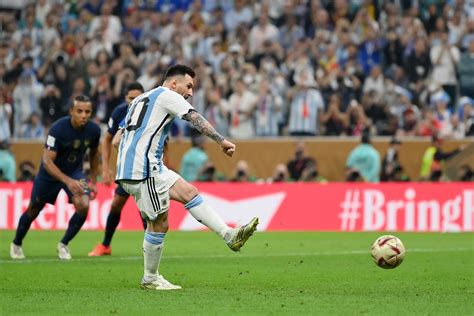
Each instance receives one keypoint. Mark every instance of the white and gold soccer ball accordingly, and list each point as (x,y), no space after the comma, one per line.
(388,252)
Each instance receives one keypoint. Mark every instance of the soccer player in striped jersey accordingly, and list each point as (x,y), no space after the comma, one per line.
(141,172)
(121,196)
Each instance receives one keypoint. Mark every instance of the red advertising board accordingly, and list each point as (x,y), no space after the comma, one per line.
(421,207)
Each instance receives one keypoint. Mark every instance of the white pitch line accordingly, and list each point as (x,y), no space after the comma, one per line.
(243,256)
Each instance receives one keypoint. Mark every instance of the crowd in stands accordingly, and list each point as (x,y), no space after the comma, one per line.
(264,68)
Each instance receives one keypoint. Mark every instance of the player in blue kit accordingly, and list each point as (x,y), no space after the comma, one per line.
(121,197)
(62,168)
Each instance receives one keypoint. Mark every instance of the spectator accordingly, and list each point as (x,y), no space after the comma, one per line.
(357,121)
(7,164)
(268,114)
(26,98)
(391,164)
(299,163)
(466,114)
(241,107)
(418,66)
(466,173)
(108,24)
(311,173)
(210,174)
(215,111)
(375,82)
(335,121)
(6,112)
(194,159)
(27,171)
(290,32)
(50,104)
(260,33)
(364,160)
(280,174)
(430,125)
(32,128)
(344,45)
(241,173)
(466,71)
(240,13)
(444,58)
(306,106)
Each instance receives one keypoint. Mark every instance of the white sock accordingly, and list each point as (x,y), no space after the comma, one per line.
(152,248)
(206,215)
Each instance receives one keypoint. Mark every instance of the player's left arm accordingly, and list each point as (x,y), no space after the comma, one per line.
(117,138)
(203,126)
(94,161)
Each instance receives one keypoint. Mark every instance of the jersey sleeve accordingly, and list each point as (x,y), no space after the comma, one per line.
(121,124)
(114,123)
(53,140)
(175,104)
(96,136)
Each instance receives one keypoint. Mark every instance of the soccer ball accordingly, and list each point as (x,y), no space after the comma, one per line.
(388,252)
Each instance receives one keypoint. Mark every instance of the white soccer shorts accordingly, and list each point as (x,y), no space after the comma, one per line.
(152,194)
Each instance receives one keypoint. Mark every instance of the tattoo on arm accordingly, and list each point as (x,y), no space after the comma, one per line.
(202,125)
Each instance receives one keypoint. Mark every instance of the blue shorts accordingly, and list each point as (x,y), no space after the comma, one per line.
(47,190)
(120,191)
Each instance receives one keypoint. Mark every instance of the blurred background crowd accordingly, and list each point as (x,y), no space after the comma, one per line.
(264,68)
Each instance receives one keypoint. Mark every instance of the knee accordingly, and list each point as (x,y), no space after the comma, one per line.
(158,226)
(82,208)
(116,206)
(33,211)
(191,192)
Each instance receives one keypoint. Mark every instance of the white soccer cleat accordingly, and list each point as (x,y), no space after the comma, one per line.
(63,252)
(240,235)
(16,252)
(159,284)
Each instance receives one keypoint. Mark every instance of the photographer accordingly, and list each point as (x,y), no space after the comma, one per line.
(241,173)
(54,70)
(311,173)
(50,104)
(280,174)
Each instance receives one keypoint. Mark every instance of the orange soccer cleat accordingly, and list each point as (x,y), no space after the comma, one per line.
(101,250)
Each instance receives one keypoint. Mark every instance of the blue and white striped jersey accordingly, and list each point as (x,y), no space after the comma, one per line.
(146,126)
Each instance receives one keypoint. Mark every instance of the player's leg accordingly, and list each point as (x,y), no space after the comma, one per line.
(153,244)
(24,223)
(113,219)
(155,210)
(42,192)
(81,205)
(184,192)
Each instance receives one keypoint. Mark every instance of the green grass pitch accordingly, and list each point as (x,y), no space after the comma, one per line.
(275,274)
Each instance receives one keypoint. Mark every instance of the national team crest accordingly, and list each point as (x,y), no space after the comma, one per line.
(87,142)
(76,144)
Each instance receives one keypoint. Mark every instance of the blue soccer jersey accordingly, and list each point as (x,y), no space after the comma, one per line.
(117,116)
(70,146)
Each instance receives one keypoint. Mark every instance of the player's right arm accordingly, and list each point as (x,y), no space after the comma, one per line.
(107,176)
(48,162)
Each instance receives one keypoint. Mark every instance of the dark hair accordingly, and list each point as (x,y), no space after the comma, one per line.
(82,98)
(135,86)
(179,70)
